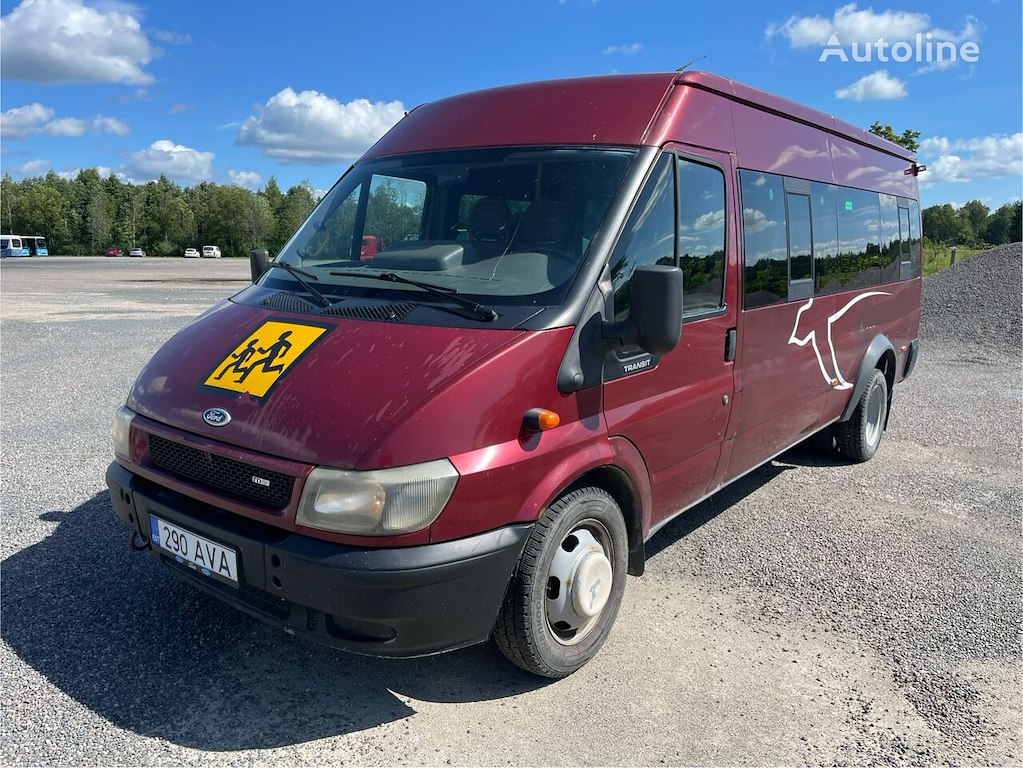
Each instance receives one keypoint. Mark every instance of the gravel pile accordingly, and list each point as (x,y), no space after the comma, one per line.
(977,301)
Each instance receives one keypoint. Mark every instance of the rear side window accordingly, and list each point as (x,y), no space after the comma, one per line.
(701,235)
(916,251)
(765,238)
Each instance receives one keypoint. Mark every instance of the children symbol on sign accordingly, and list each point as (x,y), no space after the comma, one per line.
(277,350)
(242,357)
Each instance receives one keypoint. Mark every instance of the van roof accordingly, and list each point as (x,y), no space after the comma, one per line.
(601,110)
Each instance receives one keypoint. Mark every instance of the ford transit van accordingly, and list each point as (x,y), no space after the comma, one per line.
(594,303)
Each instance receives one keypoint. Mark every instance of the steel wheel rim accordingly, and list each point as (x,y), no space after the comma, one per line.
(579,582)
(875,416)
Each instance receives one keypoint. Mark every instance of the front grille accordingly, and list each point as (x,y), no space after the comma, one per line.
(383,312)
(234,478)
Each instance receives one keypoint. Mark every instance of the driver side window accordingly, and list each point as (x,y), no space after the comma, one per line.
(649,235)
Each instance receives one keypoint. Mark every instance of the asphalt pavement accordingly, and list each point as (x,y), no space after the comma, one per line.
(814,612)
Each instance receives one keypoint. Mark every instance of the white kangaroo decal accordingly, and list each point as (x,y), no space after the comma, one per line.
(838,380)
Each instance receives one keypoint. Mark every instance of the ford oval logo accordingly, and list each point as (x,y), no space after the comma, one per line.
(216,417)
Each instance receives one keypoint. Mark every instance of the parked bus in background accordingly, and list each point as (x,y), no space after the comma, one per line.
(10,245)
(34,245)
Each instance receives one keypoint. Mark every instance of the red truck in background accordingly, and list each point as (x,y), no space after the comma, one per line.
(371,246)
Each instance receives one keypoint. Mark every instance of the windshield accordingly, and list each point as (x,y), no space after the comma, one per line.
(510,225)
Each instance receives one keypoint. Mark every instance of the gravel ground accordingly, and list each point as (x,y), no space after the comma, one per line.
(813,613)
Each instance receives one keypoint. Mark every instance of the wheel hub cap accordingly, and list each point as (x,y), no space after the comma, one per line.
(579,583)
(591,586)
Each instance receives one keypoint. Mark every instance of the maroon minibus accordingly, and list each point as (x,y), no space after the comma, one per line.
(597,302)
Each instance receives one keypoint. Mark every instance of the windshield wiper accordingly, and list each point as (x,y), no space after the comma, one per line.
(298,273)
(480,310)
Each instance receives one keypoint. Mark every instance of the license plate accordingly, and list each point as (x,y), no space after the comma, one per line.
(197,552)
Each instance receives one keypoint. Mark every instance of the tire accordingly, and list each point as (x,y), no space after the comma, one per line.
(567,587)
(859,438)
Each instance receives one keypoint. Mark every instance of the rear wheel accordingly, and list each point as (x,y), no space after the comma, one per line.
(858,438)
(568,585)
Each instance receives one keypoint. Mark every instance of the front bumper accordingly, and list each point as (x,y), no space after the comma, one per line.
(408,601)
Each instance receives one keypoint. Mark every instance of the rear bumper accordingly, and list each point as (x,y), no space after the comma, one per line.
(403,602)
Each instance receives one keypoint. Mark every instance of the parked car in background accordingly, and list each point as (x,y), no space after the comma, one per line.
(211,252)
(136,252)
(112,251)
(191,253)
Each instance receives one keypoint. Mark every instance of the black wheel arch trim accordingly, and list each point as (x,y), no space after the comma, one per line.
(879,346)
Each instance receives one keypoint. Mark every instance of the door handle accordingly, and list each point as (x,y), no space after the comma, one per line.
(730,342)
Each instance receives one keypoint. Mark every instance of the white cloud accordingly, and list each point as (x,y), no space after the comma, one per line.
(103,171)
(63,41)
(877,85)
(174,38)
(851,26)
(19,122)
(73,126)
(709,221)
(755,220)
(964,160)
(629,49)
(175,161)
(31,168)
(310,127)
(177,109)
(248,179)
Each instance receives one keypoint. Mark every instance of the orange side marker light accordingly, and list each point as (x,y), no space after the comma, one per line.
(540,419)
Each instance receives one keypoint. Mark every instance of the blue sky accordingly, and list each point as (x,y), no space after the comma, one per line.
(236,92)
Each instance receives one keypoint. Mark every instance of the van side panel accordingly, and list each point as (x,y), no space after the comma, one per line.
(884,314)
(697,117)
(858,166)
(767,142)
(784,392)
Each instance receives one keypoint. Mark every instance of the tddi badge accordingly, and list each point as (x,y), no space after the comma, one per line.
(261,359)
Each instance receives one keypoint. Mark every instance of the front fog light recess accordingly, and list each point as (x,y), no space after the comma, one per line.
(121,432)
(379,502)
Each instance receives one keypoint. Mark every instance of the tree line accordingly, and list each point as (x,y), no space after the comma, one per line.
(89,213)
(973,222)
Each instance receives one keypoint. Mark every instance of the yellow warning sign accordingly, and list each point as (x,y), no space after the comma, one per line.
(256,364)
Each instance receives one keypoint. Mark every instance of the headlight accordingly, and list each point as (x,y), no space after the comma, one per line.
(380,502)
(121,432)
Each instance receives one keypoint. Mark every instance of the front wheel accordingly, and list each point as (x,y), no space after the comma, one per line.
(858,438)
(567,587)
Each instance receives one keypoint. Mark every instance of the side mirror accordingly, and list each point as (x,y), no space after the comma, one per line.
(259,262)
(654,323)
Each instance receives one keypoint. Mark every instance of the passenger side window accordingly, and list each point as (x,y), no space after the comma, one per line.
(649,235)
(859,238)
(395,210)
(916,251)
(701,235)
(891,243)
(764,238)
(825,238)
(800,248)
(333,239)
